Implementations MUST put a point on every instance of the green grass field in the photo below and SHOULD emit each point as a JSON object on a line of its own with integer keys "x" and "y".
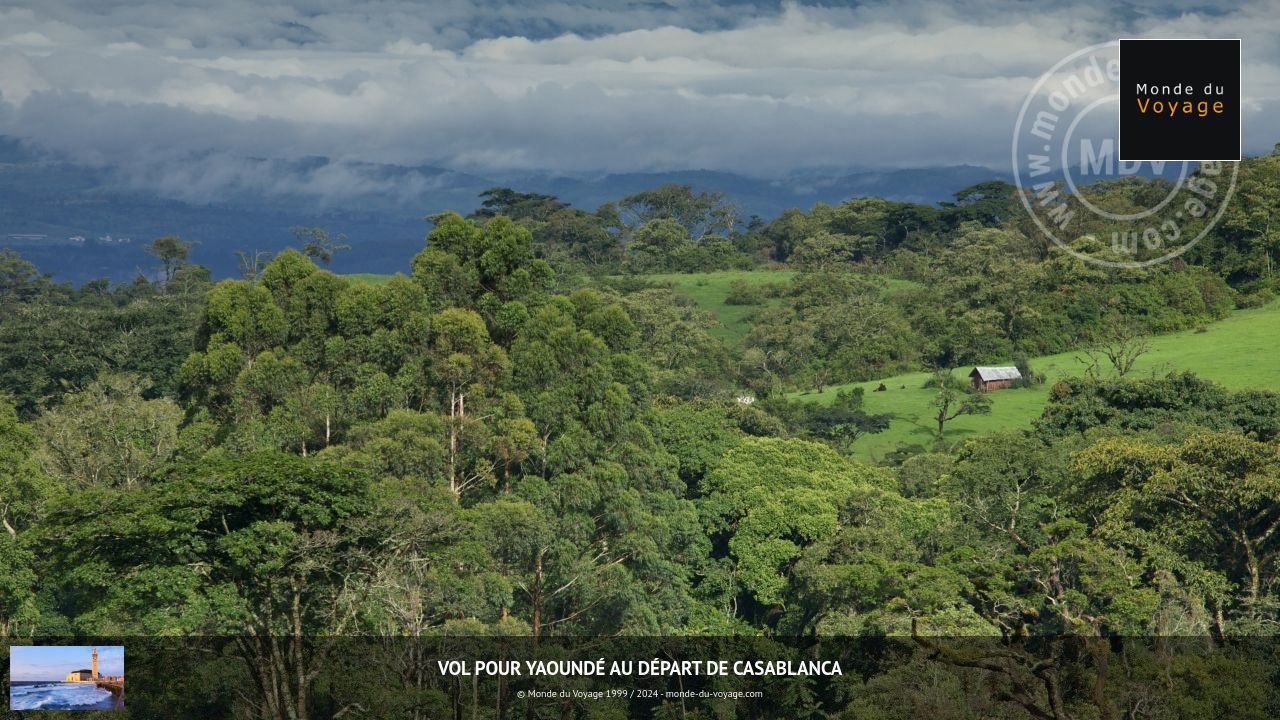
{"x": 709, "y": 290}
{"x": 1238, "y": 352}
{"x": 369, "y": 278}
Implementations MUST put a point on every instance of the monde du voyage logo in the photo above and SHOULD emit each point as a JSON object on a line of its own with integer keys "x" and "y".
{"x": 1164, "y": 110}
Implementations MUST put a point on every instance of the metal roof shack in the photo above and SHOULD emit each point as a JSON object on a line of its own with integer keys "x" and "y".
{"x": 986, "y": 379}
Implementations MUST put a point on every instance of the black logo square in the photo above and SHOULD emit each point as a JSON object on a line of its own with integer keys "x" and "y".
{"x": 1179, "y": 100}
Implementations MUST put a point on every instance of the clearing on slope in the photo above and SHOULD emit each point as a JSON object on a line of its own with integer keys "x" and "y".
{"x": 1238, "y": 352}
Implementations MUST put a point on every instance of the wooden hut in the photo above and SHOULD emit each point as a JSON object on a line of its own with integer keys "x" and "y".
{"x": 986, "y": 379}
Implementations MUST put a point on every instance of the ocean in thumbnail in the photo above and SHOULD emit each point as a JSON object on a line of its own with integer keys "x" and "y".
{"x": 41, "y": 695}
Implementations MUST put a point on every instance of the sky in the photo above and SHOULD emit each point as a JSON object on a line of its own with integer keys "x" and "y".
{"x": 53, "y": 662}
{"x": 758, "y": 88}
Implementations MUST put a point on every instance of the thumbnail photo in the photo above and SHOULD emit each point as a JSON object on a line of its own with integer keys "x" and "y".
{"x": 66, "y": 677}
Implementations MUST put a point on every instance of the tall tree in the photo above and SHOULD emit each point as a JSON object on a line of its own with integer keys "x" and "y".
{"x": 465, "y": 265}
{"x": 246, "y": 314}
{"x": 171, "y": 251}
{"x": 517, "y": 205}
{"x": 318, "y": 244}
{"x": 698, "y": 212}
{"x": 467, "y": 365}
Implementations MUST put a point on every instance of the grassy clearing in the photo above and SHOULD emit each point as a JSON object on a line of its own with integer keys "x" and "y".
{"x": 369, "y": 278}
{"x": 709, "y": 290}
{"x": 1238, "y": 352}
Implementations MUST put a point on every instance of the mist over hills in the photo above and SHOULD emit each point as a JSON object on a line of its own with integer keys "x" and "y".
{"x": 84, "y": 221}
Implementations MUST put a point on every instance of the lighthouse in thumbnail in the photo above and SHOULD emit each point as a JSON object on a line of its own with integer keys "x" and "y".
{"x": 85, "y": 675}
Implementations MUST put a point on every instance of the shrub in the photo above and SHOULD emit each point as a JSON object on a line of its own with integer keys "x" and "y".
{"x": 1255, "y": 299}
{"x": 743, "y": 293}
{"x": 1030, "y": 378}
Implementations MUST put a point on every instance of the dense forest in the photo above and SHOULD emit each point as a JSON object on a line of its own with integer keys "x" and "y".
{"x": 526, "y": 435}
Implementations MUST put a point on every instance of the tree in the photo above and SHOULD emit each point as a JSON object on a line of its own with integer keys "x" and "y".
{"x": 23, "y": 487}
{"x": 578, "y": 234}
{"x": 318, "y": 244}
{"x": 952, "y": 402}
{"x": 1006, "y": 486}
{"x": 171, "y": 251}
{"x": 251, "y": 263}
{"x": 23, "y": 493}
{"x": 312, "y": 411}
{"x": 984, "y": 295}
{"x": 50, "y": 344}
{"x": 655, "y": 244}
{"x": 1177, "y": 400}
{"x": 108, "y": 435}
{"x": 879, "y": 570}
{"x": 698, "y": 212}
{"x": 19, "y": 279}
{"x": 18, "y": 587}
{"x": 844, "y": 421}
{"x": 1213, "y": 501}
{"x": 785, "y": 233}
{"x": 432, "y": 565}
{"x": 769, "y": 498}
{"x": 1246, "y": 243}
{"x": 824, "y": 251}
{"x": 606, "y": 541}
{"x": 406, "y": 444}
{"x": 466, "y": 363}
{"x": 517, "y": 205}
{"x": 267, "y": 547}
{"x": 778, "y": 347}
{"x": 1122, "y": 342}
{"x": 987, "y": 202}
{"x": 465, "y": 265}
{"x": 1036, "y": 575}
{"x": 244, "y": 313}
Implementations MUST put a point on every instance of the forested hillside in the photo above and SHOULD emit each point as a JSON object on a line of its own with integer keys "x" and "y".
{"x": 90, "y": 220}
{"x": 536, "y": 432}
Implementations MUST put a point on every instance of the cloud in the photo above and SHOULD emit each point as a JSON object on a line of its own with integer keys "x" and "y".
{"x": 756, "y": 88}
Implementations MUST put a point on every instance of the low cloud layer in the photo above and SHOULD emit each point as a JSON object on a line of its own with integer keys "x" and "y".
{"x": 754, "y": 88}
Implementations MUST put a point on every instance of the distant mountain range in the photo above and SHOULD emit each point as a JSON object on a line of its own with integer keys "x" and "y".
{"x": 82, "y": 221}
